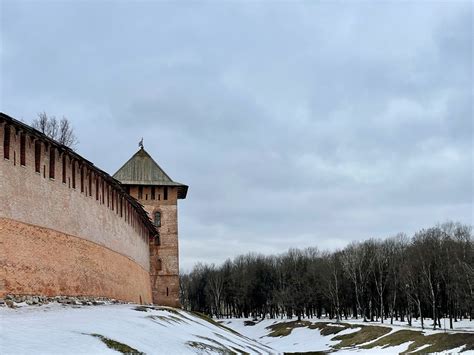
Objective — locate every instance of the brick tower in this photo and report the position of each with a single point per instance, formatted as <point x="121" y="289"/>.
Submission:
<point x="153" y="188"/>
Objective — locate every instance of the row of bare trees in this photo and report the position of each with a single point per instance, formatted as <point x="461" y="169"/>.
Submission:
<point x="430" y="275"/>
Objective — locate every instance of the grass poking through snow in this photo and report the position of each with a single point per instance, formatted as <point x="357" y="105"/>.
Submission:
<point x="325" y="328"/>
<point x="284" y="329"/>
<point x="376" y="336"/>
<point x="445" y="341"/>
<point x="117" y="346"/>
<point x="206" y="348"/>
<point x="365" y="334"/>
<point x="309" y="353"/>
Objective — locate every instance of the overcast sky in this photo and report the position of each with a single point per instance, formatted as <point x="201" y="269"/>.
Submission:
<point x="295" y="124"/>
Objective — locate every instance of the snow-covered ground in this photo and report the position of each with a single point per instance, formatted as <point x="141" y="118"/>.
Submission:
<point x="464" y="325"/>
<point x="67" y="329"/>
<point x="58" y="329"/>
<point x="299" y="340"/>
<point x="304" y="339"/>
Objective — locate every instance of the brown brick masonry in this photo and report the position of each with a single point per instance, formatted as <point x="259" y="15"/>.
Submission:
<point x="40" y="261"/>
<point x="34" y="198"/>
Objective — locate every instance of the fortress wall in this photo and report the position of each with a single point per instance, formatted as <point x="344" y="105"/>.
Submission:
<point x="71" y="235"/>
<point x="34" y="198"/>
<point x="40" y="261"/>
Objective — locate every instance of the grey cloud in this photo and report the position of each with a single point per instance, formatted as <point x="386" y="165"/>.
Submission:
<point x="294" y="124"/>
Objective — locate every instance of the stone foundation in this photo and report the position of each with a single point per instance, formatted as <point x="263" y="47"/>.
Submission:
<point x="13" y="300"/>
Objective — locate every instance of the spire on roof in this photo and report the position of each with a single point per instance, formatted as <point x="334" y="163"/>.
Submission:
<point x="140" y="144"/>
<point x="141" y="169"/>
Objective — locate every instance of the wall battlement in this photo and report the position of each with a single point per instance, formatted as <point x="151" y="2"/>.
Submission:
<point x="67" y="227"/>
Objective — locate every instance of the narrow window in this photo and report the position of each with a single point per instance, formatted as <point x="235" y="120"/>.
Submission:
<point x="127" y="188"/>
<point x="22" y="149"/>
<point x="73" y="174"/>
<point x="90" y="183"/>
<point x="6" y="143"/>
<point x="64" y="168"/>
<point x="157" y="239"/>
<point x="153" y="192"/>
<point x="108" y="191"/>
<point x="112" y="196"/>
<point x="158" y="265"/>
<point x="121" y="207"/>
<point x="52" y="161"/>
<point x="38" y="156"/>
<point x="140" y="192"/>
<point x="103" y="190"/>
<point x="158" y="219"/>
<point x="167" y="292"/>
<point x="165" y="193"/>
<point x="82" y="179"/>
<point x="96" y="187"/>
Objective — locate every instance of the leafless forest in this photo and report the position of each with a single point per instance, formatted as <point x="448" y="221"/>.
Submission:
<point x="429" y="275"/>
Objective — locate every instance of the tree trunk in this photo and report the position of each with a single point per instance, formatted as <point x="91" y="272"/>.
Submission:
<point x="381" y="307"/>
<point x="420" y="314"/>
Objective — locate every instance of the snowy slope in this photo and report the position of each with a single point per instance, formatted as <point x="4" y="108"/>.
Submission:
<point x="67" y="329"/>
<point x="304" y="339"/>
<point x="58" y="329"/>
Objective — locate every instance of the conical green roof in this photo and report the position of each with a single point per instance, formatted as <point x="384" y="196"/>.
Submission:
<point x="141" y="169"/>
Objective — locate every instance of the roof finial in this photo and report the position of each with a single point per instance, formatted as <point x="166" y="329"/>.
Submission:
<point x="140" y="144"/>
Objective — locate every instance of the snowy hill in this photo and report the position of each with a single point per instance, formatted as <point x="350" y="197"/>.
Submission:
<point x="106" y="329"/>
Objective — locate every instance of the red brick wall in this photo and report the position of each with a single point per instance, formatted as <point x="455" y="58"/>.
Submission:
<point x="32" y="198"/>
<point x="109" y="248"/>
<point x="40" y="261"/>
<point x="165" y="281"/>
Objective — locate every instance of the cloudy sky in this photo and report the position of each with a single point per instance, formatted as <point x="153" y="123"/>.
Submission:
<point x="308" y="123"/>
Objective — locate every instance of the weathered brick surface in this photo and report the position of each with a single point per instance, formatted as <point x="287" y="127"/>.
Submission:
<point x="40" y="261"/>
<point x="32" y="198"/>
<point x="56" y="239"/>
<point x="165" y="281"/>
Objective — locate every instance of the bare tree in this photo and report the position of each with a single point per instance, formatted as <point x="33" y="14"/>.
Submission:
<point x="216" y="288"/>
<point x="382" y="258"/>
<point x="357" y="261"/>
<point x="59" y="130"/>
<point x="428" y="244"/>
<point x="350" y="262"/>
<point x="331" y="280"/>
<point x="398" y="246"/>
